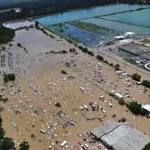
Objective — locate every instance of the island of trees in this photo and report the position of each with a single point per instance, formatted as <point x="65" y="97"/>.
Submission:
<point x="6" y="34"/>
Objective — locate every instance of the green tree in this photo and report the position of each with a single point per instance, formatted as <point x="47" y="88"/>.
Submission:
<point x="36" y="24"/>
<point x="147" y="147"/>
<point x="2" y="133"/>
<point x="7" y="144"/>
<point x="146" y="83"/>
<point x="9" y="77"/>
<point x="135" y="108"/>
<point x="24" y="145"/>
<point x="100" y="58"/>
<point x="136" y="77"/>
<point x="117" y="67"/>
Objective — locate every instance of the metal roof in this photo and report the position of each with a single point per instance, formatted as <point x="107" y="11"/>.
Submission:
<point x="99" y="131"/>
<point x="121" y="136"/>
<point x="146" y="107"/>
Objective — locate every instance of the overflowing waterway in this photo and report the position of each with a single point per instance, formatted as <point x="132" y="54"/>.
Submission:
<point x="117" y="18"/>
<point x="86" y="13"/>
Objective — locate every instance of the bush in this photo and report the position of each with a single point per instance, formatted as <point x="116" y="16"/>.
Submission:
<point x="90" y="53"/>
<point x="85" y="50"/>
<point x="6" y="35"/>
<point x="19" y="45"/>
<point x="121" y="102"/>
<point x="7" y="144"/>
<point x="2" y="133"/>
<point x="99" y="57"/>
<point x="136" y="77"/>
<point x="64" y="51"/>
<point x="24" y="145"/>
<point x="72" y="50"/>
<point x="147" y="147"/>
<point x="146" y="83"/>
<point x="135" y="108"/>
<point x="117" y="67"/>
<point x="36" y="24"/>
<point x="9" y="77"/>
<point x="63" y="72"/>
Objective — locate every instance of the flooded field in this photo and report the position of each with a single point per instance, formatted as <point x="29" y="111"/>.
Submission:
<point x="131" y="18"/>
<point x="80" y="14"/>
<point x="108" y="19"/>
<point x="118" y="26"/>
<point x="88" y="37"/>
<point x="63" y="90"/>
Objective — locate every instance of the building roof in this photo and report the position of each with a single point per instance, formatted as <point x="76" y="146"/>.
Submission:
<point x="120" y="136"/>
<point x="99" y="131"/>
<point x="146" y="107"/>
<point x="118" y="95"/>
<point x="119" y="37"/>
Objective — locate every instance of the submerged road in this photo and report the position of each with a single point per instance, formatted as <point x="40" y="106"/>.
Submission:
<point x="112" y="57"/>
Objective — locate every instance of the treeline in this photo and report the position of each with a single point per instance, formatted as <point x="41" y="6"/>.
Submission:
<point x="6" y="35"/>
<point x="44" y="7"/>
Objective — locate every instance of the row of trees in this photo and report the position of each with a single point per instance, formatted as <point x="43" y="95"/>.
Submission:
<point x="7" y="143"/>
<point x="86" y="50"/>
<point x="134" y="107"/>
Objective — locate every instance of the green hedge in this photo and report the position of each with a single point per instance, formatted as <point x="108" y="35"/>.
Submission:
<point x="6" y="35"/>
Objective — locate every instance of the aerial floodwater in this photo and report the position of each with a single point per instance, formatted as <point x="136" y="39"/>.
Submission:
<point x="109" y="21"/>
<point x="131" y="18"/>
<point x="86" y="13"/>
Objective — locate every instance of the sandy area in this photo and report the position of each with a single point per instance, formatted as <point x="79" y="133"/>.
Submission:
<point x="44" y="99"/>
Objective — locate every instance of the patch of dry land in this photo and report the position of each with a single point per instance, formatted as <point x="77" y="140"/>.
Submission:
<point x="61" y="95"/>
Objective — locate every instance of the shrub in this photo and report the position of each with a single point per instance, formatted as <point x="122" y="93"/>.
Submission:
<point x="19" y="45"/>
<point x="63" y="72"/>
<point x="136" y="77"/>
<point x="7" y="144"/>
<point x="99" y="57"/>
<point x="111" y="64"/>
<point x="121" y="102"/>
<point x="72" y="50"/>
<point x="146" y="83"/>
<point x="64" y="51"/>
<point x="117" y="67"/>
<point x="90" y="53"/>
<point x="2" y="133"/>
<point x="135" y="108"/>
<point x="85" y="49"/>
<point x="6" y="35"/>
<point x="24" y="145"/>
<point x="9" y="77"/>
<point x="36" y="24"/>
<point x="147" y="147"/>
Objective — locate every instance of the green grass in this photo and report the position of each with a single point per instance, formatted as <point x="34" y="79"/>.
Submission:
<point x="87" y="26"/>
<point x="6" y="35"/>
<point x="92" y="27"/>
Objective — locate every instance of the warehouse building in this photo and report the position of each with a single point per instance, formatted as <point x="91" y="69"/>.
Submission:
<point x="120" y="136"/>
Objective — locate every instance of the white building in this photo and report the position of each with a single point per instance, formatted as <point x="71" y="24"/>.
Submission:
<point x="117" y="95"/>
<point x="146" y="108"/>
